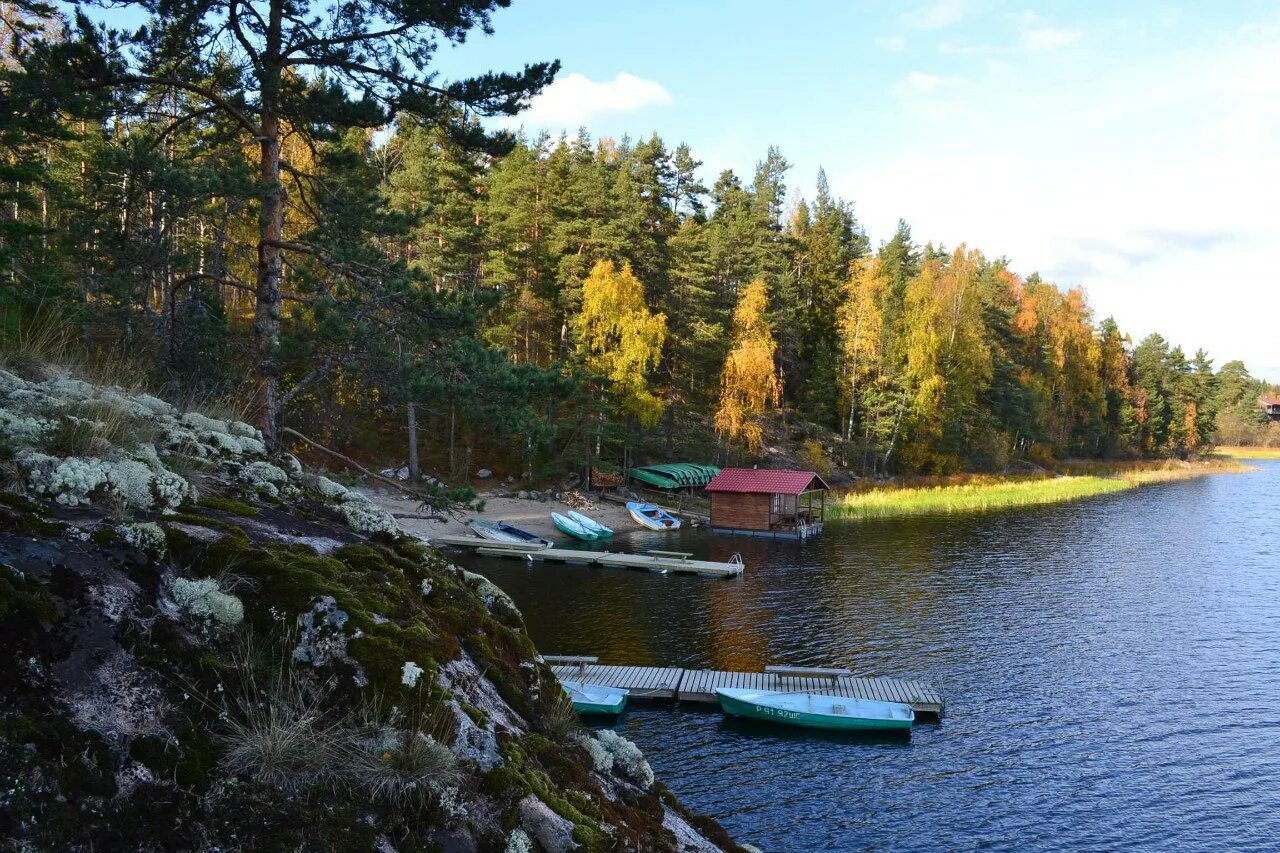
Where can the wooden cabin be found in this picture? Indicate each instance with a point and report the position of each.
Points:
(1270, 406)
(756, 502)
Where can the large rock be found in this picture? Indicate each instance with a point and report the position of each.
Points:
(552, 832)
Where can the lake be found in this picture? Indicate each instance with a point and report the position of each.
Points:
(1111, 670)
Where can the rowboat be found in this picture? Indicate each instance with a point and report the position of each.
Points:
(502, 532)
(591, 524)
(594, 698)
(815, 711)
(567, 525)
(651, 516)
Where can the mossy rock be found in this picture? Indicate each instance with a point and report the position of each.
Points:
(230, 506)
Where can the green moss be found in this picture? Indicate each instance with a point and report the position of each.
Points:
(16, 501)
(23, 597)
(477, 716)
(230, 506)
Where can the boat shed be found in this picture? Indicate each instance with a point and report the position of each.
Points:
(777, 503)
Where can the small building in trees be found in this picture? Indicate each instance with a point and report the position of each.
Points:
(777, 503)
(1270, 406)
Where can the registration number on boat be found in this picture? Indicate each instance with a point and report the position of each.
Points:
(776, 712)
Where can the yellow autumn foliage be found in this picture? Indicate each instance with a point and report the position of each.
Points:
(749, 382)
(619, 339)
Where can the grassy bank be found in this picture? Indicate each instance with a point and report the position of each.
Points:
(981, 494)
(1249, 452)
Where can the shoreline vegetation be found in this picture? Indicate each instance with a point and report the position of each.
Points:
(968, 494)
(1249, 452)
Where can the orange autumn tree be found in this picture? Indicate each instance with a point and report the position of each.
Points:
(749, 382)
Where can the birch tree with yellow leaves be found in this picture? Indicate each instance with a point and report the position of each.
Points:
(749, 383)
(620, 341)
(862, 329)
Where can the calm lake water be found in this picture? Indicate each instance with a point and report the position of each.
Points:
(1111, 670)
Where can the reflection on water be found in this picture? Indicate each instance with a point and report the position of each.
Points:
(1111, 670)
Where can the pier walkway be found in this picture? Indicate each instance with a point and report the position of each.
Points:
(699, 685)
(654, 561)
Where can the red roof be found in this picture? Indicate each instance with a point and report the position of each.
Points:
(1268, 400)
(755, 480)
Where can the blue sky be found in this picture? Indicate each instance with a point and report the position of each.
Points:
(1134, 151)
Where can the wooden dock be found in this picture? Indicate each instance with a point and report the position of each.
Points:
(699, 685)
(654, 561)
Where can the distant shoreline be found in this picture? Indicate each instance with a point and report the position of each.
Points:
(1249, 452)
(985, 494)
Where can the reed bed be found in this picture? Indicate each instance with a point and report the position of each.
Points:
(992, 494)
(1249, 452)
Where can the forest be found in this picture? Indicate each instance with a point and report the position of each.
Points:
(296, 219)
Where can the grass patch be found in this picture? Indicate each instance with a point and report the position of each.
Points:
(990, 493)
(1249, 452)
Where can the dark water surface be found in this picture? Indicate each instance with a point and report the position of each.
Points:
(1111, 670)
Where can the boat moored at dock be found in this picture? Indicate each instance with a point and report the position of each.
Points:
(594, 698)
(816, 711)
(508, 534)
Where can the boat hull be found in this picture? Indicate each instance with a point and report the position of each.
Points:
(593, 699)
(740, 704)
(572, 528)
(643, 517)
(501, 532)
(592, 525)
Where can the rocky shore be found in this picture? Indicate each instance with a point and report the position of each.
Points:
(208, 647)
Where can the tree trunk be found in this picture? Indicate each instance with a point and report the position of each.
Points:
(413, 443)
(266, 315)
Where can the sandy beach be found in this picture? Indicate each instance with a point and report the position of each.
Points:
(531, 515)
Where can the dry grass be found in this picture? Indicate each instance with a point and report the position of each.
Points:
(283, 728)
(560, 721)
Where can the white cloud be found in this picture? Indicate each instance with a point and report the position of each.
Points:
(918, 83)
(937, 16)
(1047, 38)
(893, 44)
(574, 100)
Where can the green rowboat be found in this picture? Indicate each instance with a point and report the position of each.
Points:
(595, 699)
(815, 711)
(567, 525)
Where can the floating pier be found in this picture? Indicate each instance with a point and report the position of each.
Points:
(699, 685)
(654, 561)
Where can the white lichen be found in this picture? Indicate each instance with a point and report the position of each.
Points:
(145, 536)
(203, 600)
(519, 842)
(363, 517)
(264, 478)
(410, 674)
(329, 489)
(22, 430)
(610, 750)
